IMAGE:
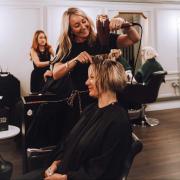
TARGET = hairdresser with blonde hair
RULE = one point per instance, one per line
(78, 41)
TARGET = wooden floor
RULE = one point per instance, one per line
(160, 158)
(11, 152)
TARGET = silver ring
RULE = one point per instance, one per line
(49, 172)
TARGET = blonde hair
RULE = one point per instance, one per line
(115, 54)
(110, 74)
(65, 44)
(148, 53)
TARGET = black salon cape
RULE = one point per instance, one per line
(97, 145)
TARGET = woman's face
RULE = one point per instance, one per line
(80, 27)
(91, 83)
(42, 39)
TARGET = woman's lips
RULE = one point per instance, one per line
(89, 89)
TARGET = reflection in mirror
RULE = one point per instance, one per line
(132, 53)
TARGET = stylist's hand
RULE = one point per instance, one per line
(47, 74)
(57, 176)
(52, 169)
(116, 23)
(84, 57)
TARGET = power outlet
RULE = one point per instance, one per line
(175, 84)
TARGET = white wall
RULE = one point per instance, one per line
(20, 19)
(18, 24)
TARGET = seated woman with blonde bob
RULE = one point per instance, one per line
(97, 146)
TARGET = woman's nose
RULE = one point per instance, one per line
(83, 26)
(87, 82)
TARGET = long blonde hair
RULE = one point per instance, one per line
(65, 44)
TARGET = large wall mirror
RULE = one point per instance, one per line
(132, 53)
(168, 43)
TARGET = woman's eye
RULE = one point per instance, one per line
(76, 25)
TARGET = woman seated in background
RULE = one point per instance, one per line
(149, 64)
(40, 54)
(98, 144)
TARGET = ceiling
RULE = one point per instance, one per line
(143, 1)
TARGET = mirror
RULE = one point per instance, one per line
(132, 53)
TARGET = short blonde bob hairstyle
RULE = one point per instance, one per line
(109, 74)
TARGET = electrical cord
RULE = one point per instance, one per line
(137, 24)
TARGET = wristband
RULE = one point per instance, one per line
(49, 172)
(67, 65)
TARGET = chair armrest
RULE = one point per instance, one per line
(38, 98)
(39, 151)
(38, 157)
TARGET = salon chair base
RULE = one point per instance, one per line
(140, 119)
(145, 122)
(151, 121)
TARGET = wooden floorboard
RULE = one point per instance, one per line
(160, 158)
(10, 151)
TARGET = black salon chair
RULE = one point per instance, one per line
(136, 148)
(44, 114)
(137, 95)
